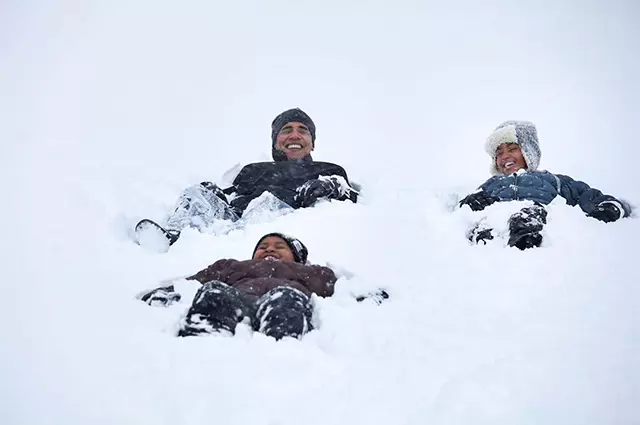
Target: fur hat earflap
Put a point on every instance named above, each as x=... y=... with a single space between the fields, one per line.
x=523 y=134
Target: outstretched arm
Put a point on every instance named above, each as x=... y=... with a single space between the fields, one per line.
x=163 y=296
x=592 y=201
x=481 y=198
x=213 y=272
x=166 y=295
x=377 y=296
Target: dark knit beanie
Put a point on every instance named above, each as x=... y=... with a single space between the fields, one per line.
x=292 y=115
x=298 y=249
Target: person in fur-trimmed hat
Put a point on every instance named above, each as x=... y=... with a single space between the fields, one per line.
x=515 y=156
x=293 y=180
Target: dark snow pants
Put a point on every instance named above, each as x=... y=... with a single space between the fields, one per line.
x=281 y=312
x=199 y=206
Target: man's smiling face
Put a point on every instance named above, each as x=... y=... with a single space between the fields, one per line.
x=294 y=140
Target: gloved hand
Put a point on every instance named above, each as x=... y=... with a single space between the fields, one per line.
x=378 y=296
x=309 y=193
x=478 y=201
x=164 y=296
x=606 y=211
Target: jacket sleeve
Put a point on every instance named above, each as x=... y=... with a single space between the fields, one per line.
x=579 y=193
x=323 y=281
x=213 y=272
x=484 y=187
x=318 y=280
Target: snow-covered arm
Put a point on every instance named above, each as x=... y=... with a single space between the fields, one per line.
x=361 y=294
x=377 y=296
x=170 y=292
x=324 y=187
x=576 y=192
x=343 y=190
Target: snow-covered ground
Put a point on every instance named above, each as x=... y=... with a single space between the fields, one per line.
x=109 y=109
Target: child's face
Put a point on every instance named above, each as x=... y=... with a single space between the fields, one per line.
x=509 y=158
x=273 y=248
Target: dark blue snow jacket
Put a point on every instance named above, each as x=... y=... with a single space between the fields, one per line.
x=543 y=187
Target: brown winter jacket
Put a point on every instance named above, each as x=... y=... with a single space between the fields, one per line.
x=256 y=277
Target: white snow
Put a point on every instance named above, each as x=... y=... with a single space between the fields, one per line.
x=109 y=109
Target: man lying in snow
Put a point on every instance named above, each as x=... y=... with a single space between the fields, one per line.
x=515 y=153
x=292 y=181
x=272 y=290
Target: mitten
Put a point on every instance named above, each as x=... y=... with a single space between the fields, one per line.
x=606 y=211
x=309 y=193
x=164 y=296
x=378 y=296
x=479 y=200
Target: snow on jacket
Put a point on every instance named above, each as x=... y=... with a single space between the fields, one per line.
x=543 y=187
x=256 y=277
x=282 y=179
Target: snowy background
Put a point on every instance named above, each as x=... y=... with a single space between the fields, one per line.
x=109 y=109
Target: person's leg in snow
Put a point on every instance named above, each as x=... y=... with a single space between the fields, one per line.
x=283 y=311
x=150 y=234
x=216 y=307
x=525 y=227
x=198 y=206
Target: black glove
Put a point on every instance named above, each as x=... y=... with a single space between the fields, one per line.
x=164 y=296
x=309 y=193
x=606 y=212
x=378 y=296
x=479 y=200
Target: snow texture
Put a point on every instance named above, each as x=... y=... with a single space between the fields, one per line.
x=199 y=208
x=109 y=110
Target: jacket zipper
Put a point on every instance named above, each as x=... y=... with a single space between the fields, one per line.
x=515 y=185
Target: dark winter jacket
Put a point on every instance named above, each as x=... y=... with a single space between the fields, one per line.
x=543 y=187
x=282 y=179
x=256 y=277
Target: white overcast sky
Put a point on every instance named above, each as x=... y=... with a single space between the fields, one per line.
x=410 y=87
